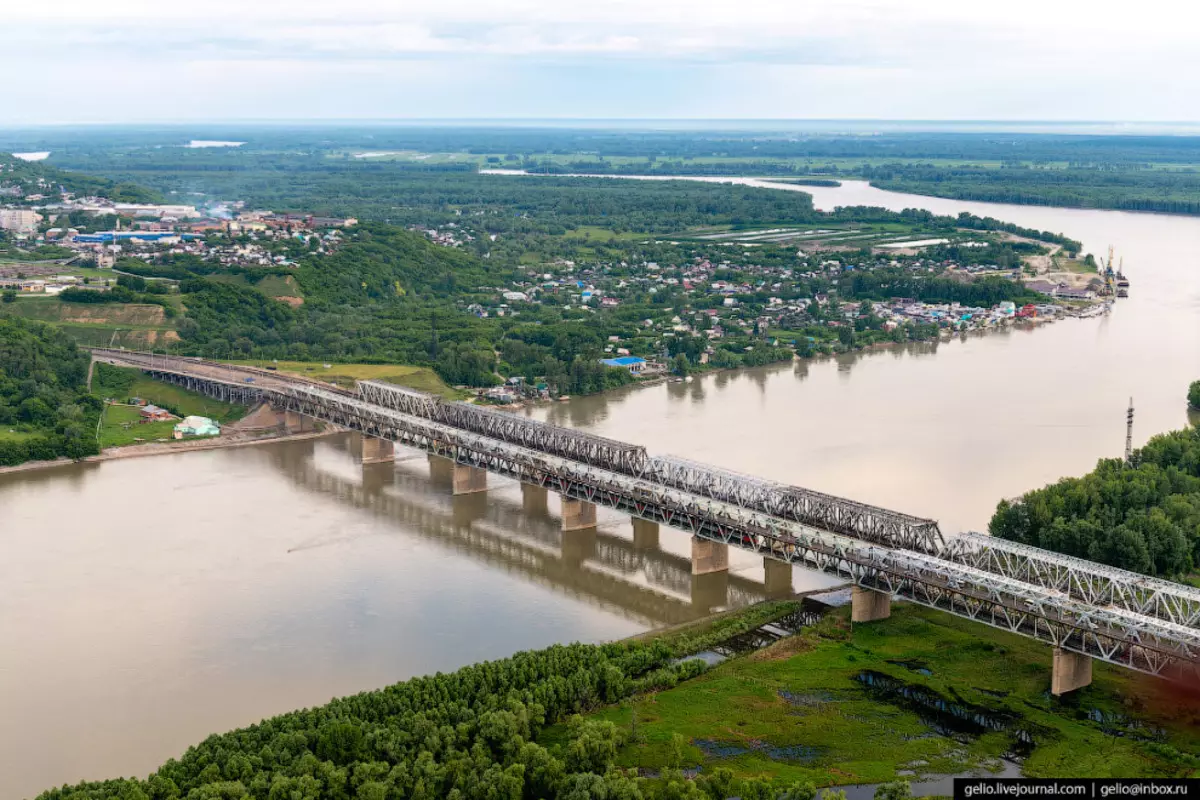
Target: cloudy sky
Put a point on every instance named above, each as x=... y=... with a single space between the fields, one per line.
x=184 y=60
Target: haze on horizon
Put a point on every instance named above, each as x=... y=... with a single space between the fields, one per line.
x=141 y=61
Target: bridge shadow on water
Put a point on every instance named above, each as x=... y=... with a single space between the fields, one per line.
x=631 y=575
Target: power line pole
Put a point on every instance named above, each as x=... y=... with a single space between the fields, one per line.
x=1129 y=432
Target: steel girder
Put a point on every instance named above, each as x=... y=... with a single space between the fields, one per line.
x=836 y=514
x=1134 y=641
x=585 y=447
x=1093 y=583
x=1117 y=635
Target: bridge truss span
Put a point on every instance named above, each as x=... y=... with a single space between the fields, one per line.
x=836 y=514
x=999 y=584
x=1137 y=642
x=1087 y=581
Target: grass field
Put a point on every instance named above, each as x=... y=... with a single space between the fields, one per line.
x=347 y=375
x=120 y=384
x=122 y=425
x=802 y=710
x=13 y=434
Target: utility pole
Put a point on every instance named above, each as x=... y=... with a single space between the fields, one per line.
x=1129 y=432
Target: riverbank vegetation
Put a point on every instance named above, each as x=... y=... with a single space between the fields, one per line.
x=1142 y=516
x=921 y=691
x=45 y=409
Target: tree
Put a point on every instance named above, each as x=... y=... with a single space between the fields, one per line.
x=896 y=790
x=680 y=365
x=10 y=296
x=1193 y=395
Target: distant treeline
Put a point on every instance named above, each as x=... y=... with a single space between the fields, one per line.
x=1129 y=189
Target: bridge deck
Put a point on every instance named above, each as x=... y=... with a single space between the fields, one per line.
x=1026 y=595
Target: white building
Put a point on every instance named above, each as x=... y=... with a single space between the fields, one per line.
x=21 y=220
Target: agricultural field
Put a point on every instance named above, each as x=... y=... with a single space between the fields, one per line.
x=917 y=695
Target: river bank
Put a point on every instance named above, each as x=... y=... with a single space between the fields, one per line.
x=169 y=448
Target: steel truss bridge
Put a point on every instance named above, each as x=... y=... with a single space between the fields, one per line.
x=1108 y=614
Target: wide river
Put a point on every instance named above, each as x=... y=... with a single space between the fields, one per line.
x=145 y=603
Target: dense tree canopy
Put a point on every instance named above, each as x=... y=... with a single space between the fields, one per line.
x=45 y=410
x=1143 y=516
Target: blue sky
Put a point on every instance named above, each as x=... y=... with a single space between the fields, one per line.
x=164 y=60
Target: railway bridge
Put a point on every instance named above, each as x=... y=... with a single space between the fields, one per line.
x=1085 y=611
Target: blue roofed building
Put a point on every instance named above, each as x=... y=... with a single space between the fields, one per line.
x=634 y=364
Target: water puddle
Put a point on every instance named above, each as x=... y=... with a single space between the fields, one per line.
x=954 y=719
x=913 y=666
x=794 y=754
x=1116 y=724
x=809 y=613
x=812 y=699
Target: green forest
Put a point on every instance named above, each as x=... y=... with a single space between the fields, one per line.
x=1142 y=516
x=45 y=408
x=1143 y=172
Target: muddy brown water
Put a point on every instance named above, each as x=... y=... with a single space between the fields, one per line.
x=145 y=603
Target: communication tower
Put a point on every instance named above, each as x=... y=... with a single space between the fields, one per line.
x=1129 y=432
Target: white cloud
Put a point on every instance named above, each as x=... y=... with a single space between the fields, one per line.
x=941 y=58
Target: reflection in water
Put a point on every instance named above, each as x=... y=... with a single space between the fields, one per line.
x=150 y=602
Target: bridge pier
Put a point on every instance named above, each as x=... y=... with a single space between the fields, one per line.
x=645 y=534
x=1071 y=671
x=463 y=479
x=777 y=578
x=294 y=422
x=709 y=556
x=577 y=514
x=867 y=605
x=534 y=499
x=710 y=590
x=378 y=451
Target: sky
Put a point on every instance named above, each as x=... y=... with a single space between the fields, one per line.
x=130 y=61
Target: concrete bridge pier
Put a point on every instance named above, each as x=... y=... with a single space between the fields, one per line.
x=462 y=478
x=1071 y=671
x=645 y=535
x=577 y=514
x=378 y=451
x=534 y=499
x=777 y=578
x=867 y=605
x=709 y=556
x=295 y=422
